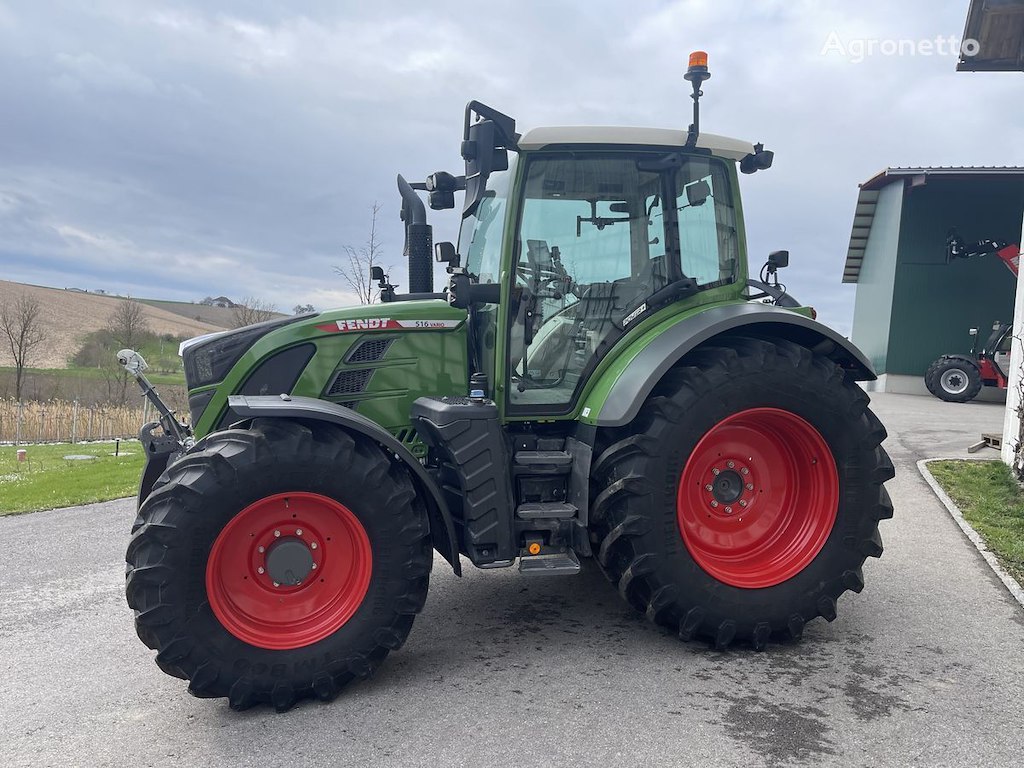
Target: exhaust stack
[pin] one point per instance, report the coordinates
(418, 239)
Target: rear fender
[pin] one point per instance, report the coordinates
(442, 529)
(646, 367)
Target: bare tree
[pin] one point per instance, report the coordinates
(355, 270)
(252, 310)
(22, 328)
(128, 329)
(127, 324)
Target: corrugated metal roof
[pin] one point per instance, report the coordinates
(867, 199)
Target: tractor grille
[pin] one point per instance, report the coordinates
(368, 351)
(350, 382)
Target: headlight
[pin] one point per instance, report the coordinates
(208, 361)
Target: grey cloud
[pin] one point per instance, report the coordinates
(232, 147)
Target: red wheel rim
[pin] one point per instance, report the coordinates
(276, 615)
(757, 498)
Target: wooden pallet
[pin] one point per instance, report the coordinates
(988, 440)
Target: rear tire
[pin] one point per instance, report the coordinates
(953, 379)
(348, 584)
(812, 494)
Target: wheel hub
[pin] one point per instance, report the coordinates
(954, 381)
(289, 561)
(727, 486)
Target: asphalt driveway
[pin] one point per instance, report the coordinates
(925, 667)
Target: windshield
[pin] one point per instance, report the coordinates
(481, 234)
(480, 241)
(596, 241)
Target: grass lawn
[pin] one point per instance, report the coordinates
(991, 502)
(48, 480)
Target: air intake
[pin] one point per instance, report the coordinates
(369, 351)
(350, 382)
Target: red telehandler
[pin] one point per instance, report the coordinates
(959, 378)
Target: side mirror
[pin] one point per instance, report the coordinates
(759, 160)
(973, 332)
(698, 193)
(444, 253)
(377, 273)
(778, 260)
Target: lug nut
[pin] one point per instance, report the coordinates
(313, 566)
(298, 531)
(312, 545)
(728, 510)
(743, 502)
(731, 464)
(260, 569)
(744, 471)
(261, 549)
(750, 486)
(714, 503)
(276, 584)
(709, 487)
(716, 471)
(277, 534)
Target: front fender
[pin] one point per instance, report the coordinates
(646, 366)
(442, 529)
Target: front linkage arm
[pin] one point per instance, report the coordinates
(177, 436)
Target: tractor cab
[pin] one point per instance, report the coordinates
(573, 237)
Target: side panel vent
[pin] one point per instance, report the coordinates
(369, 351)
(350, 382)
(407, 436)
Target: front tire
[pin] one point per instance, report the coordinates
(953, 379)
(278, 562)
(771, 539)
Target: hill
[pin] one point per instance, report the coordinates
(223, 317)
(69, 316)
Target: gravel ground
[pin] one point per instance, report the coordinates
(925, 667)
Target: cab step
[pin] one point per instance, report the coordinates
(544, 462)
(546, 510)
(556, 564)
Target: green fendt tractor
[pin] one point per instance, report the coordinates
(599, 380)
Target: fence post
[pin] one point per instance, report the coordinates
(74, 423)
(20, 419)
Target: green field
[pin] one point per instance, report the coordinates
(992, 502)
(97, 374)
(48, 480)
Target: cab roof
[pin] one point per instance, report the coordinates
(720, 146)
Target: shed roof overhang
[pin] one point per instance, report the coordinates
(998, 28)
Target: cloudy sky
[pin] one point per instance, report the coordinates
(184, 149)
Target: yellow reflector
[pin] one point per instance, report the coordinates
(534, 548)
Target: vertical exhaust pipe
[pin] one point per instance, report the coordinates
(418, 240)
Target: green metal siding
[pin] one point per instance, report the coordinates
(934, 303)
(874, 303)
